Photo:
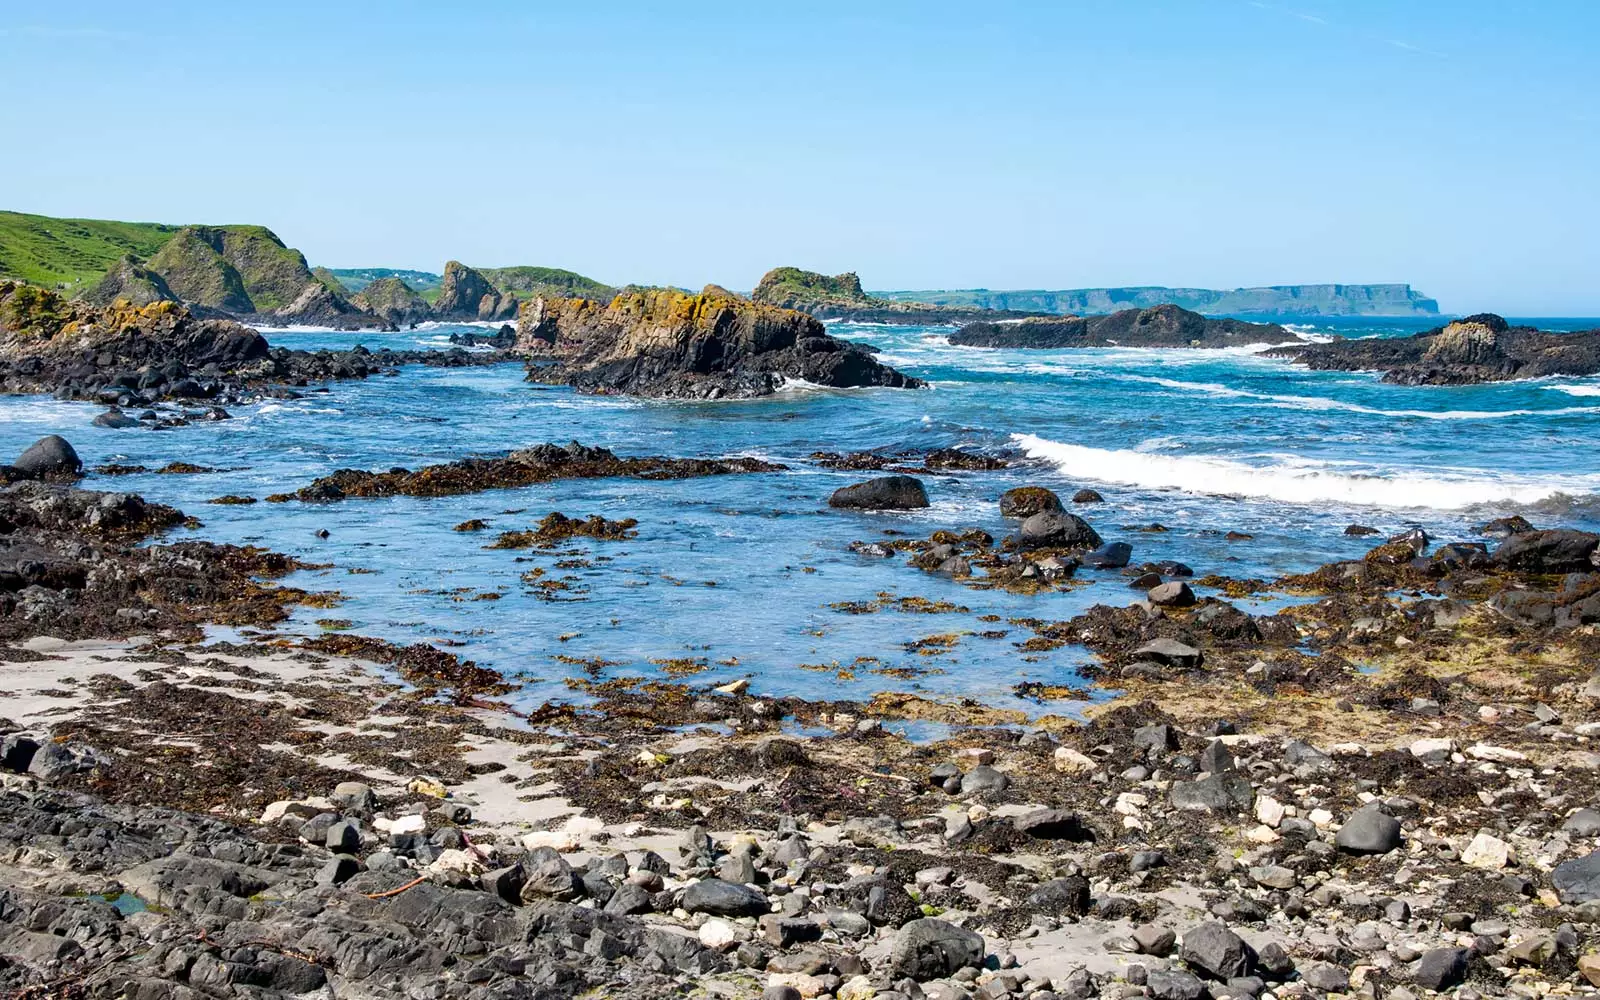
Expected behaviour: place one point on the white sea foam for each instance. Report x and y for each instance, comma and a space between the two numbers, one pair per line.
1323, 403
1577, 390
1298, 479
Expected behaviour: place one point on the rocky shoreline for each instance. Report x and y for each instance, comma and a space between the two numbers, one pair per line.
1471, 351
1383, 789
1157, 326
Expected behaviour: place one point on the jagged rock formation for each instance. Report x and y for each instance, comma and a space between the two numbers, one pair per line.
247, 272
393, 301
130, 280
668, 343
841, 297
1277, 300
1162, 326
467, 294
1481, 348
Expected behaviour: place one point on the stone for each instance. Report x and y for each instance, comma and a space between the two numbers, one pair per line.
1275, 877
1433, 749
984, 778
354, 796
1216, 758
781, 991
930, 948
1269, 811
1153, 940
738, 868
1173, 594
724, 899
787, 931
343, 837
16, 752
1486, 851
50, 456
1173, 984
1112, 555
1230, 792
1162, 737
1056, 529
52, 762
338, 870
1439, 969
1216, 951
1589, 967
504, 882
1053, 824
1026, 501
883, 493
1369, 830
718, 935
1535, 950
1326, 977
1061, 896
1578, 880
1171, 653
549, 876
1583, 823
1072, 761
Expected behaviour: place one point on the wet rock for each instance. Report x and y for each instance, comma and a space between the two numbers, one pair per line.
883, 493
1175, 594
1055, 529
1087, 496
932, 949
1112, 555
1548, 552
1026, 501
1216, 951
724, 899
984, 778
50, 457
1440, 969
1170, 652
1369, 830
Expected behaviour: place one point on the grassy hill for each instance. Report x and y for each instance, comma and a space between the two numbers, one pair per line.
530, 281
72, 252
356, 278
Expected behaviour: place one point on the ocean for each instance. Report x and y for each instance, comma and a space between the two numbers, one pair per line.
752, 576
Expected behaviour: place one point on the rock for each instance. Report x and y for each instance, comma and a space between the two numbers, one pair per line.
724, 899
1076, 762
354, 796
16, 752
1229, 792
1215, 950
1275, 877
340, 869
1589, 966
1369, 830
1159, 736
1173, 984
1026, 501
1055, 529
932, 949
984, 778
718, 935
1578, 880
1053, 824
1486, 851
1216, 758
1548, 552
505, 883
50, 457
1325, 976
1171, 653
883, 493
1087, 496
781, 991
1112, 555
1174, 594
343, 837
1153, 940
1439, 969
1061, 896
1583, 823
53, 762
1435, 750
547, 875
115, 419
1536, 950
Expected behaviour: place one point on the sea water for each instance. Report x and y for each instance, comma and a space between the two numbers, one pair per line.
747, 575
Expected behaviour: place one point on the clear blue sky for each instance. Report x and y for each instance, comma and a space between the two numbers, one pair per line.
1454, 145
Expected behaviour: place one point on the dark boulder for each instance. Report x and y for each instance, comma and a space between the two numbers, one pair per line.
1439, 969
50, 457
1369, 830
724, 899
883, 493
1217, 951
1578, 880
1171, 595
1026, 501
1061, 896
1055, 529
1053, 824
933, 949
1558, 551
1112, 555
1087, 496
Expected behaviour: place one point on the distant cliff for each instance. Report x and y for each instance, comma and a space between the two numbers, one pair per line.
1284, 301
840, 297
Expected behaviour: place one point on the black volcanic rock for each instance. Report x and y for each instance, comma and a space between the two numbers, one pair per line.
1481, 348
1160, 326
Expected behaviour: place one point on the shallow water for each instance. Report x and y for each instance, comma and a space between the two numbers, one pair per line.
739, 572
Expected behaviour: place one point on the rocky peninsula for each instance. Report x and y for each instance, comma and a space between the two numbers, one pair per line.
1159, 326
840, 297
670, 344
1470, 351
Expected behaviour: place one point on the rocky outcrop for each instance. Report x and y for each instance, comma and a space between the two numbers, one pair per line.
667, 343
1161, 326
1284, 301
247, 272
1481, 348
840, 297
131, 281
393, 301
466, 294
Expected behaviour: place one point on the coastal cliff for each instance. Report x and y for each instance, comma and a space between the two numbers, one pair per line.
1286, 301
840, 297
1481, 348
465, 294
394, 301
667, 343
1161, 326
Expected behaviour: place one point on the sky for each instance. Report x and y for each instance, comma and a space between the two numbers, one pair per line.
1211, 143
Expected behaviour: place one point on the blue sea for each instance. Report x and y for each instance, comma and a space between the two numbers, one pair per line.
741, 573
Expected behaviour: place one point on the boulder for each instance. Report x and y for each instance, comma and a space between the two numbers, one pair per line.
1228, 792
1174, 984
1087, 496
1061, 896
1055, 529
1548, 552
1053, 824
1369, 830
50, 457
1217, 951
1171, 653
933, 949
1026, 501
1112, 555
1175, 594
1578, 880
883, 493
724, 899
1439, 969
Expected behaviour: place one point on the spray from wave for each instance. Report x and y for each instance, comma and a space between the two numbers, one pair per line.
1295, 480
1322, 403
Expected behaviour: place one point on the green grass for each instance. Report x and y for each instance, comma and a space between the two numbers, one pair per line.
357, 278
528, 280
71, 252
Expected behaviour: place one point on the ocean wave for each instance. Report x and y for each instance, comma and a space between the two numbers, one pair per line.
1323, 403
1298, 481
1577, 390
